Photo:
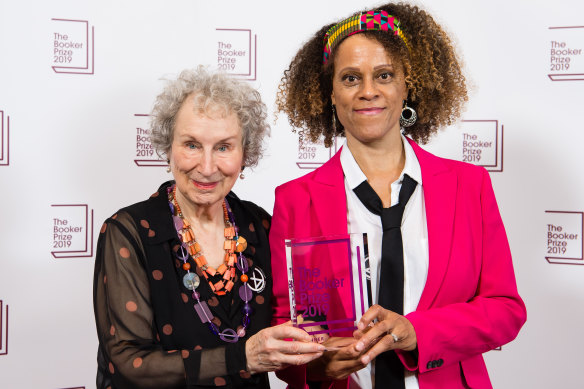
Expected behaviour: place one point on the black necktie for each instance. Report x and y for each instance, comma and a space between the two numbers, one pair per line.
389, 371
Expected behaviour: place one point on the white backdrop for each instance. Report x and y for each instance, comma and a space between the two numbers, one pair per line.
74, 149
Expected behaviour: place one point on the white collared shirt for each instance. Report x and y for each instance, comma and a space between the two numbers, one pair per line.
414, 235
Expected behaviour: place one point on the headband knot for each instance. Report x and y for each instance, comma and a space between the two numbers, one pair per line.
365, 21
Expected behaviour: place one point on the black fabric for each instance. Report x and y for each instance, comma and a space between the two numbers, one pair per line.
389, 371
162, 343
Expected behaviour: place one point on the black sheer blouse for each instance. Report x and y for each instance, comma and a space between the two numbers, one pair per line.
150, 335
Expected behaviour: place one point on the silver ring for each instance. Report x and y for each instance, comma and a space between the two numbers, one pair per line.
395, 338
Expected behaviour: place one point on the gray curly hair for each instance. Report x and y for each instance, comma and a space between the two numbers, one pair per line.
211, 91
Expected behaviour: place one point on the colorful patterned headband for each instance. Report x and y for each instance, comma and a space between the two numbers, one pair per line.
368, 21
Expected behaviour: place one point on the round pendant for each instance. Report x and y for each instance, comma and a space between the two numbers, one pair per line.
229, 335
191, 281
242, 264
181, 253
245, 292
257, 280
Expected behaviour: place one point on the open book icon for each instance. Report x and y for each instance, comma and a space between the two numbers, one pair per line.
72, 46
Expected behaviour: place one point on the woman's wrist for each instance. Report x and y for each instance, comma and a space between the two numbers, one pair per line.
236, 357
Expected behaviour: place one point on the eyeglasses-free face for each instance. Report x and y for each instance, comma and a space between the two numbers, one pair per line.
368, 90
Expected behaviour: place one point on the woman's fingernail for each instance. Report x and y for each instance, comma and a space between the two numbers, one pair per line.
359, 346
365, 359
360, 325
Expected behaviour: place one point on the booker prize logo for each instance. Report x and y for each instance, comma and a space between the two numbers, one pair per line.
72, 231
145, 154
479, 142
237, 52
313, 155
3, 328
4, 139
564, 237
566, 57
72, 46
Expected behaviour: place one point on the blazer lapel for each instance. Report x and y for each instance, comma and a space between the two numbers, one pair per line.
328, 199
440, 186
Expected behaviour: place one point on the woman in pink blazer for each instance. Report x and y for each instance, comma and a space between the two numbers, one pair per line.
374, 78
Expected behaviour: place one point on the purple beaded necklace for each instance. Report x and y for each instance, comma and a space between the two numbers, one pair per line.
191, 280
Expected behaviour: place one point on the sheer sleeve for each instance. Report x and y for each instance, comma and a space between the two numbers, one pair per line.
130, 354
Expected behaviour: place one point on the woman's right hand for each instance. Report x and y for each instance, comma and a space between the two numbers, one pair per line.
268, 351
337, 364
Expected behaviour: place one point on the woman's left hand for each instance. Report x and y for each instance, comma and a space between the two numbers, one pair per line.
269, 349
381, 336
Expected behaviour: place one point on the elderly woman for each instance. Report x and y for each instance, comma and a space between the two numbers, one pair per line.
183, 282
444, 290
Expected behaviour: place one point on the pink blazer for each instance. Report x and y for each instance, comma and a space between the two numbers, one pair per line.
470, 303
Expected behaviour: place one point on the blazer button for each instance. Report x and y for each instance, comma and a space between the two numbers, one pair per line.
429, 365
440, 362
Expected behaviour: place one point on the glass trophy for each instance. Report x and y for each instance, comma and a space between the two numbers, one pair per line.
327, 283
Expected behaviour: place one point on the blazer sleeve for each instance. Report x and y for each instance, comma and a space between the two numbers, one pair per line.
492, 317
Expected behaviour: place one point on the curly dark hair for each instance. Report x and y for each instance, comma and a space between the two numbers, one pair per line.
433, 76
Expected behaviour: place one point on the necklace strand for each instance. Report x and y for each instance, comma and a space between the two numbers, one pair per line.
227, 268
233, 244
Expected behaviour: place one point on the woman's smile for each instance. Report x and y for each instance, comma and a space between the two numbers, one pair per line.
369, 111
205, 185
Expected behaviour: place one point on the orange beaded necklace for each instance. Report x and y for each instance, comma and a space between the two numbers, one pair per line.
231, 246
